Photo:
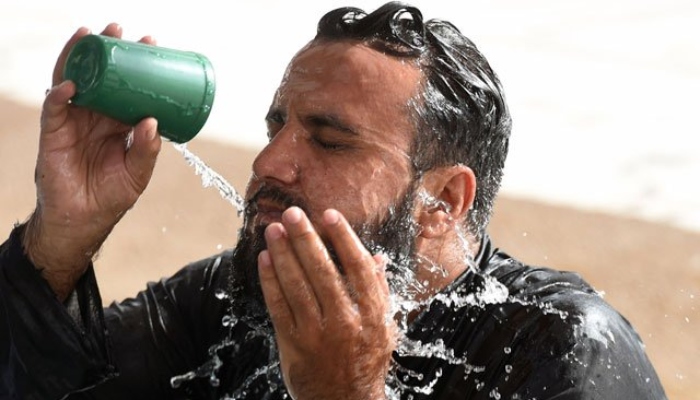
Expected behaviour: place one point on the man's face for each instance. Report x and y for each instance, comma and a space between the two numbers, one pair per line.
339, 133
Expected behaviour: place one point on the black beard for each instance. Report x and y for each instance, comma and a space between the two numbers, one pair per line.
394, 237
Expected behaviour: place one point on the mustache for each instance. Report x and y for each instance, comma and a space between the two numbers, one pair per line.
276, 195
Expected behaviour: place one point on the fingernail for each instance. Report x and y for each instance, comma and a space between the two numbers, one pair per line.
292, 215
274, 231
264, 260
83, 31
153, 133
331, 217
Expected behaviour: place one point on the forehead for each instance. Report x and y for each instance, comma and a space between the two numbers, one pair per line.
351, 76
353, 62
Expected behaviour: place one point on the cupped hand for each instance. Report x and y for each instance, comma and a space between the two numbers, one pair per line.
86, 177
333, 334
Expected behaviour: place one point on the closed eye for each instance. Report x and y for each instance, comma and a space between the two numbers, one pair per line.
327, 145
322, 121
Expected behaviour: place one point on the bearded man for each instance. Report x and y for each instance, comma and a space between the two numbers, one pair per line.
363, 270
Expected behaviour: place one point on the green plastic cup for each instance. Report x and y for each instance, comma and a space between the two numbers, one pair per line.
129, 81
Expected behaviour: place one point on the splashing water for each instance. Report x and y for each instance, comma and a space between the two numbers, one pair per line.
403, 303
208, 369
493, 292
211, 178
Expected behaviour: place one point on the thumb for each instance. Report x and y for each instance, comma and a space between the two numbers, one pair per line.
55, 110
141, 156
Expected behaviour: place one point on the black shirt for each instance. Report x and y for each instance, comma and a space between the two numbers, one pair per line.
502, 331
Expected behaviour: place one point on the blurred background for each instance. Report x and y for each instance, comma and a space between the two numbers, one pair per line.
601, 177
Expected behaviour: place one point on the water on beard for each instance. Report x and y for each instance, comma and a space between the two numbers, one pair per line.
406, 287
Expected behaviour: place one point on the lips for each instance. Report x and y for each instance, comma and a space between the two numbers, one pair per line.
268, 203
267, 212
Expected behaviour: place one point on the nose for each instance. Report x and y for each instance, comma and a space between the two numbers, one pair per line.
280, 159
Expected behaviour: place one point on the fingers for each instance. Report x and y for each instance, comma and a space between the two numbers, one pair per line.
148, 40
365, 276
142, 155
309, 280
61, 61
291, 278
277, 305
381, 261
113, 29
55, 110
298, 275
321, 271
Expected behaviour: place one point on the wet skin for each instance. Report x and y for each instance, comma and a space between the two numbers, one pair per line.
86, 178
339, 135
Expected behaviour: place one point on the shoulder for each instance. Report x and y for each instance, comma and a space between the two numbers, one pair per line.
582, 310
572, 329
533, 332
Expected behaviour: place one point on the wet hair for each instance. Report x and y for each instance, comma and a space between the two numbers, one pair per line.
460, 115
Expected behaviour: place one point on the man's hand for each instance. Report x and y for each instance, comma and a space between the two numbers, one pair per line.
86, 178
334, 338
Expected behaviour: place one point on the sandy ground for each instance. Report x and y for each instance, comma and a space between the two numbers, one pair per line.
650, 272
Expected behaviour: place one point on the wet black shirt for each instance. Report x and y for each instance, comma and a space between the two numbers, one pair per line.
506, 331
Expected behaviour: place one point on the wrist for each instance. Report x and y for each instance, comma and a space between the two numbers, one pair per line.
60, 257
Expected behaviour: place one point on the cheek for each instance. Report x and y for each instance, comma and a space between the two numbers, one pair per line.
385, 186
359, 190
332, 188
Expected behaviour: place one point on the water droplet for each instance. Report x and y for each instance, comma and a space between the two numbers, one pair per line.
228, 320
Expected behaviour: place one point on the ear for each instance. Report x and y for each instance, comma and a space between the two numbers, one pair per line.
449, 194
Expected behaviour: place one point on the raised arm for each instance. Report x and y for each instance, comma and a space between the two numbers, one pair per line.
86, 176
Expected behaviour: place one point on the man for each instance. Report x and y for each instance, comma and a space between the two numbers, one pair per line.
363, 268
